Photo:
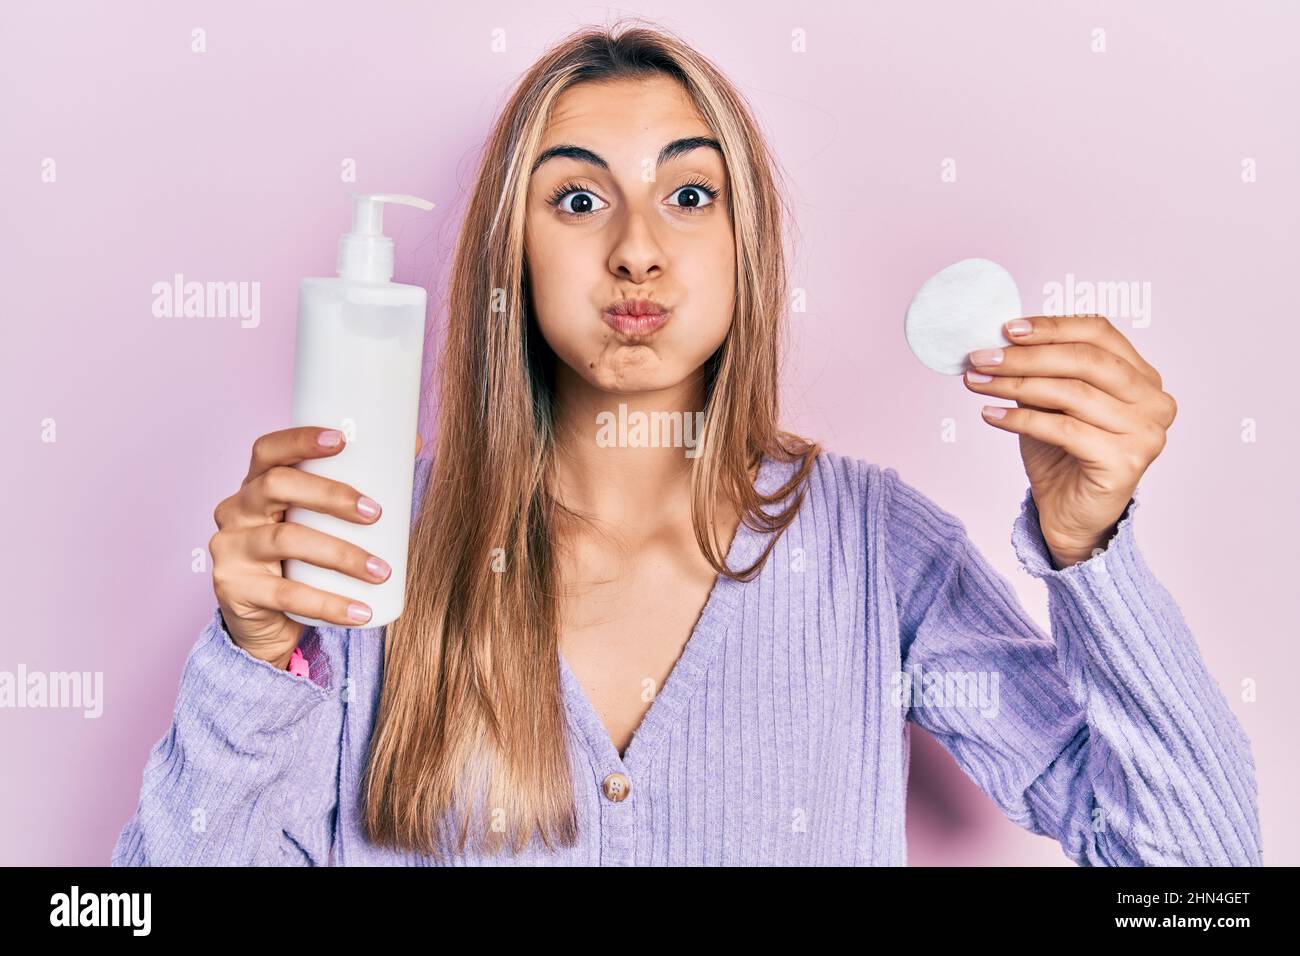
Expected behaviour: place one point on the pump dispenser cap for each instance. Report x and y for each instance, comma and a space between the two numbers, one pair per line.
365, 253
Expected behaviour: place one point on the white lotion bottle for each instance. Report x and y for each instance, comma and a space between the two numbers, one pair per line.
357, 367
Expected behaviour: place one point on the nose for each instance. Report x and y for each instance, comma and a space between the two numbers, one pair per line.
637, 254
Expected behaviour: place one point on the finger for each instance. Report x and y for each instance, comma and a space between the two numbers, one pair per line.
1082, 360
1087, 443
1069, 395
294, 597
272, 492
288, 539
1097, 329
419, 443
289, 446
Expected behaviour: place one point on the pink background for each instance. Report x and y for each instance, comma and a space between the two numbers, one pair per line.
225, 165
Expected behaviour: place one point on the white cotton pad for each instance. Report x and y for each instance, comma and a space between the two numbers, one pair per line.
959, 310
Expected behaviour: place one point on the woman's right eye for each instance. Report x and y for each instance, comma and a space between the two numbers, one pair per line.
574, 201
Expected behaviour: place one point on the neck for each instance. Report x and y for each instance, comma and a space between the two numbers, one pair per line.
616, 481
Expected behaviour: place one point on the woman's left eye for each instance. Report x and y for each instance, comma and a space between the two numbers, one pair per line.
694, 196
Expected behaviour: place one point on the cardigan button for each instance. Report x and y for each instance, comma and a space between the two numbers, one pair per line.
617, 787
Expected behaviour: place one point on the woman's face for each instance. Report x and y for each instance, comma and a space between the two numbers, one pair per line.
613, 219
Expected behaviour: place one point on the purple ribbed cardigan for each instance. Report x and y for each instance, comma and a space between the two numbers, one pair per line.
781, 734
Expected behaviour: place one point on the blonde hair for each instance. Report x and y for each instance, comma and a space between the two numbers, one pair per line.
471, 720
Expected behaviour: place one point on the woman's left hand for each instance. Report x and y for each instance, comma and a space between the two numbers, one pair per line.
1091, 414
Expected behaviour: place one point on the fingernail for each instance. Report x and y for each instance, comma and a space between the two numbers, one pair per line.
1019, 326
978, 377
377, 566
994, 411
986, 357
358, 612
368, 506
329, 438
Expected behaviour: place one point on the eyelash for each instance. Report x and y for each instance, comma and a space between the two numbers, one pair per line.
698, 182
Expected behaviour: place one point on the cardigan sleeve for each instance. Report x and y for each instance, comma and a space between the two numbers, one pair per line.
247, 772
1109, 735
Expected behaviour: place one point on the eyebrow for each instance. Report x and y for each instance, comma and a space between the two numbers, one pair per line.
674, 149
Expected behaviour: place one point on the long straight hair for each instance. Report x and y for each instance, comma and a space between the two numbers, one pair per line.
470, 742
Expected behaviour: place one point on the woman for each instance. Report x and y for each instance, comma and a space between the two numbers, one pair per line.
705, 649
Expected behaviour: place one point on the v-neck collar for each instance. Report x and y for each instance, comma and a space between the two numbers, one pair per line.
691, 664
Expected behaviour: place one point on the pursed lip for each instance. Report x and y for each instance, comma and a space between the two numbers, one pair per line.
635, 317
635, 307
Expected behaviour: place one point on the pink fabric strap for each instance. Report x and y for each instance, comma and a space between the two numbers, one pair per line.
298, 664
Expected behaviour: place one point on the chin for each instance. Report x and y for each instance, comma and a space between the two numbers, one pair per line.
629, 380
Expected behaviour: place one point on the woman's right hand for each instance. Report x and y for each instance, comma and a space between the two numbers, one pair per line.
253, 538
